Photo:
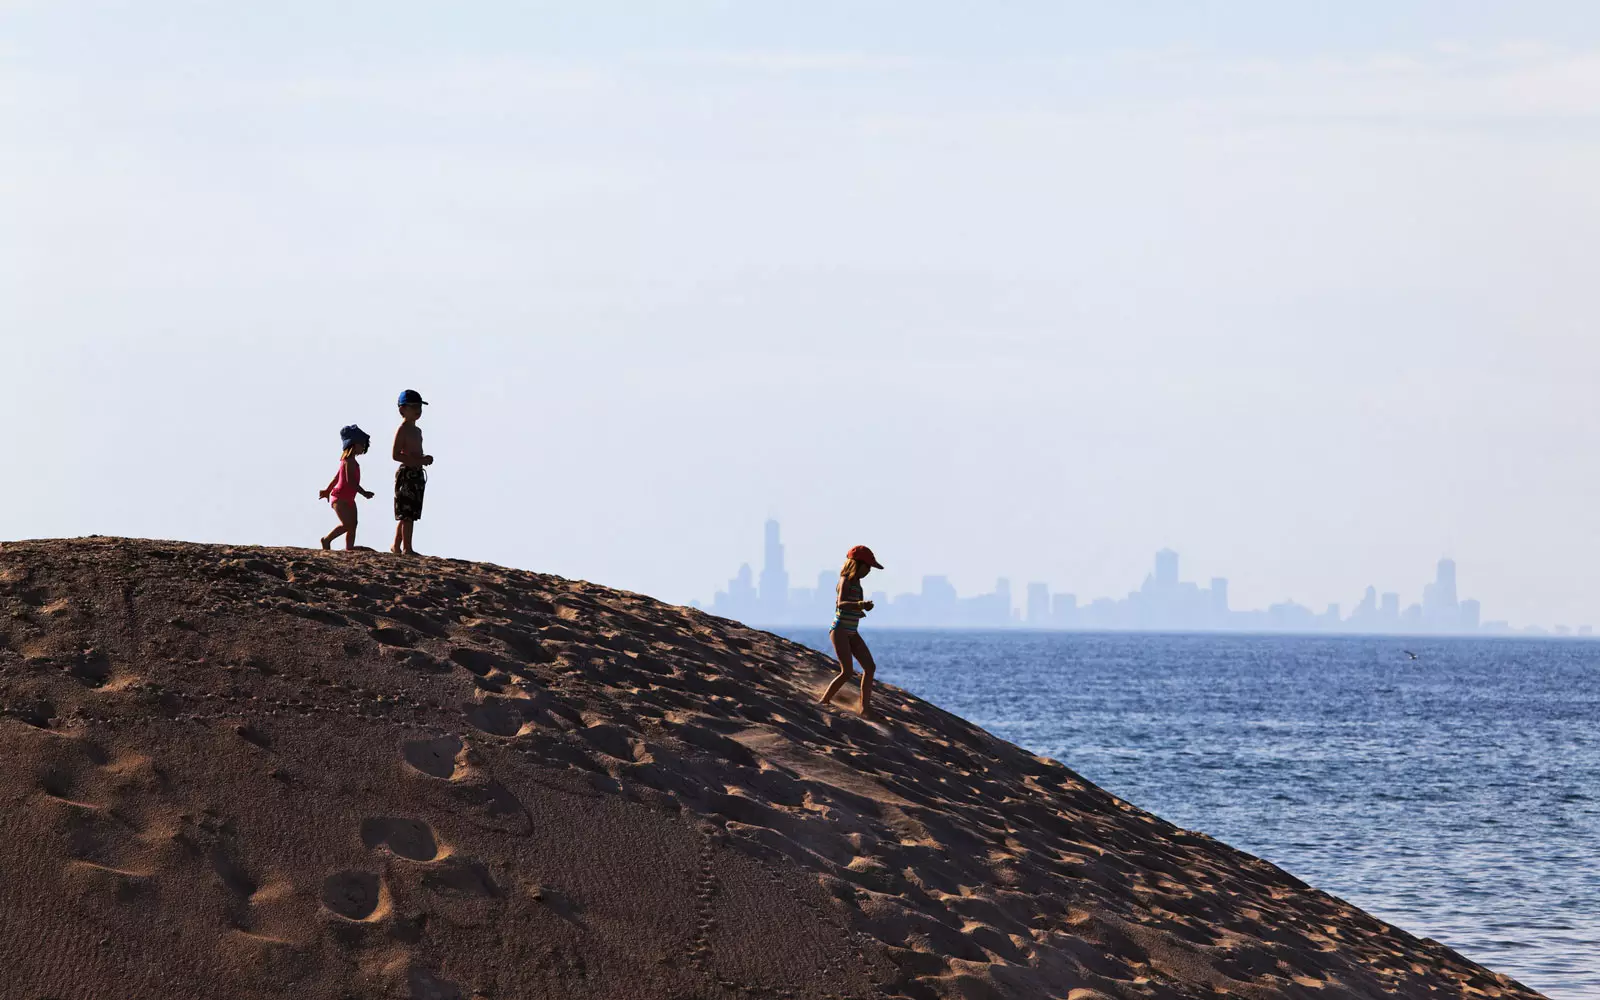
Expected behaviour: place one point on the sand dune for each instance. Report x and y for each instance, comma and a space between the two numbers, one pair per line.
240, 772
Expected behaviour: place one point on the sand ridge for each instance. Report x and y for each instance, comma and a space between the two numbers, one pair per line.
246, 772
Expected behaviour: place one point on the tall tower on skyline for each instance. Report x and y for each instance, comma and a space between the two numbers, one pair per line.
1447, 583
1389, 610
774, 591
1038, 605
1167, 568
1441, 607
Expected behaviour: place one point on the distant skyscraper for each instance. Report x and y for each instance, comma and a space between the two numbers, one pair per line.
1039, 605
1365, 614
1447, 582
1390, 612
1291, 617
1167, 568
1164, 602
774, 593
739, 600
1219, 601
1471, 612
1440, 607
938, 600
1064, 610
1369, 601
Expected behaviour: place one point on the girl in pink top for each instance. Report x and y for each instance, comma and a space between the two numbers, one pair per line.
346, 484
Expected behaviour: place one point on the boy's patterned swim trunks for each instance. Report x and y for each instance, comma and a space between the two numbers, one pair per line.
409, 486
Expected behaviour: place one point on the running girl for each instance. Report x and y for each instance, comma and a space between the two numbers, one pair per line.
346, 484
849, 609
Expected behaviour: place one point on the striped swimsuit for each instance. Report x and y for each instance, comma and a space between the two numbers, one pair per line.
848, 621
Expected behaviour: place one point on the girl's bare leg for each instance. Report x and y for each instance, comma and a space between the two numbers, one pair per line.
347, 523
399, 537
858, 646
841, 647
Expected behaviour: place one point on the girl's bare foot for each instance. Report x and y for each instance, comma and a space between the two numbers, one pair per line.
327, 543
396, 551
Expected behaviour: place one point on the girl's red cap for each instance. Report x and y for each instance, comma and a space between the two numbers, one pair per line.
863, 554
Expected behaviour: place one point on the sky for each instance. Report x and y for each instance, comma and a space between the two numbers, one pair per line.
1305, 294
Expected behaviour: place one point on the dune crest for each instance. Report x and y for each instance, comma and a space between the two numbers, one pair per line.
247, 772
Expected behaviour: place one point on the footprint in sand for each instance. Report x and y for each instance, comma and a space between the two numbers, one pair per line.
490, 804
232, 873
411, 839
480, 661
394, 636
38, 713
462, 878
354, 895
436, 758
104, 881
90, 668
110, 849
498, 716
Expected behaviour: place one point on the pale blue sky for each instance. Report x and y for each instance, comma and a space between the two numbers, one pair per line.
1307, 295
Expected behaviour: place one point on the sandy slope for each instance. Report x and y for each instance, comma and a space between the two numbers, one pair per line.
238, 772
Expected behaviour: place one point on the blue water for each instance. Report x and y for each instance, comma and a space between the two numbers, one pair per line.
1457, 796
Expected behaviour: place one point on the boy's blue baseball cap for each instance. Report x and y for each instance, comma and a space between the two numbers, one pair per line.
354, 435
412, 397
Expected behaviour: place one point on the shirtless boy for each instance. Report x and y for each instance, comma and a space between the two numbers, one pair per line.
410, 481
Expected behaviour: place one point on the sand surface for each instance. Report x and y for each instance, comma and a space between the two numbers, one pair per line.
242, 772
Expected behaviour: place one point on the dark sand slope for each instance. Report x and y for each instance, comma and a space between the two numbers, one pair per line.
235, 772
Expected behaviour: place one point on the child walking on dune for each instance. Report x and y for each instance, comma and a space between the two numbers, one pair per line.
346, 484
410, 481
850, 607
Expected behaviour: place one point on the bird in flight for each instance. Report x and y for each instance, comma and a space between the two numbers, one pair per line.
1409, 653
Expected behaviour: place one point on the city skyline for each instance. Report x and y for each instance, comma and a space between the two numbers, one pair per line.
1164, 601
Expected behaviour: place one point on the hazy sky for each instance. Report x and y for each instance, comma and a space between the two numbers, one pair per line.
1029, 289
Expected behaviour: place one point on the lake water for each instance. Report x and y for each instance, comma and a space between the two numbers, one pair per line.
1456, 795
